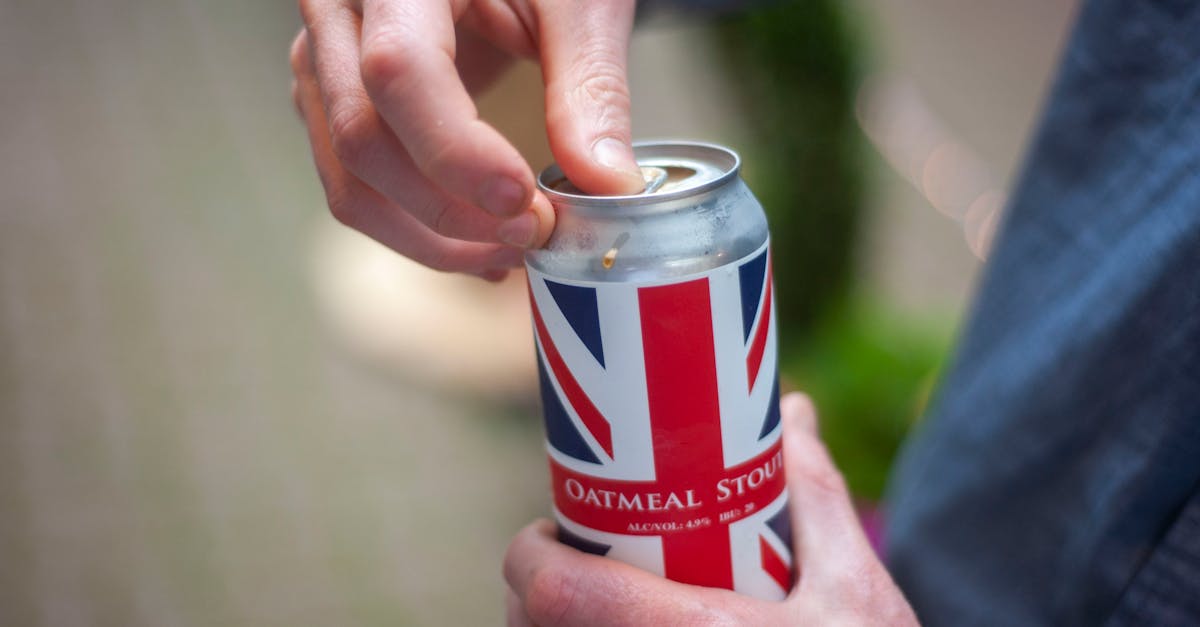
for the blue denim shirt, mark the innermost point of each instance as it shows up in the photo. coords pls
(1057, 478)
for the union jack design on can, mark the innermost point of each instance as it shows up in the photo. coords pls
(662, 422)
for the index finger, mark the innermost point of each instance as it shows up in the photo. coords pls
(408, 50)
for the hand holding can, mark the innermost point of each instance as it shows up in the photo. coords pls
(841, 581)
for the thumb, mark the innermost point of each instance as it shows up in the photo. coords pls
(583, 47)
(827, 531)
(556, 585)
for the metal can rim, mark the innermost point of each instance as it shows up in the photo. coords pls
(654, 148)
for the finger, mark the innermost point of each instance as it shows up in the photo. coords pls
(358, 206)
(369, 150)
(583, 49)
(514, 612)
(538, 221)
(828, 534)
(408, 68)
(558, 585)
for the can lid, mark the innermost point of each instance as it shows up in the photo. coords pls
(672, 169)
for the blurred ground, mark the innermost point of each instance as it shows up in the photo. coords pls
(184, 439)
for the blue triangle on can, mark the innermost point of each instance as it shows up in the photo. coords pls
(583, 544)
(772, 419)
(781, 524)
(560, 431)
(750, 280)
(578, 306)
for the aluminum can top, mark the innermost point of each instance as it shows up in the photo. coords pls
(694, 215)
(673, 171)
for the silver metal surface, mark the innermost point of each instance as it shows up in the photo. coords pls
(691, 167)
(698, 217)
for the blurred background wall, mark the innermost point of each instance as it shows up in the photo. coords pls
(219, 408)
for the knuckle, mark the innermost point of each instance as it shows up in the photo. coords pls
(603, 87)
(440, 216)
(551, 595)
(603, 83)
(351, 134)
(298, 55)
(344, 205)
(385, 59)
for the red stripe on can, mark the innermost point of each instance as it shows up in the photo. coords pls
(774, 565)
(588, 414)
(755, 357)
(685, 419)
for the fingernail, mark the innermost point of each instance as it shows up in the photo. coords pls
(519, 231)
(612, 153)
(503, 196)
(618, 157)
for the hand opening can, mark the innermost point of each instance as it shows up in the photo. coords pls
(656, 345)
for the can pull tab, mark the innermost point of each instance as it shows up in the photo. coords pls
(654, 177)
(610, 257)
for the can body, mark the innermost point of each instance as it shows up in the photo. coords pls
(656, 344)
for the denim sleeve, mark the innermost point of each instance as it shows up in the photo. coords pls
(1056, 479)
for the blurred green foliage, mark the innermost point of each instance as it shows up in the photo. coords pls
(796, 65)
(870, 372)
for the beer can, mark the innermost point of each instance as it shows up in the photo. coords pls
(656, 345)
